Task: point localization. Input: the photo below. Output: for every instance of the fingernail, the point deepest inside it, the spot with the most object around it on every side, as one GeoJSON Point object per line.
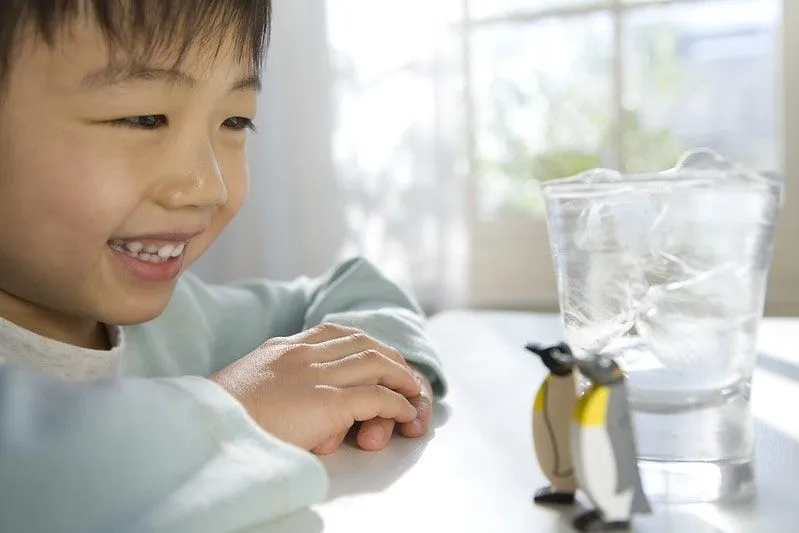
{"type": "Point", "coordinates": [416, 426]}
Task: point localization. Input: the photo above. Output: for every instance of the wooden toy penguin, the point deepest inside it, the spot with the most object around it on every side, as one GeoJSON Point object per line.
{"type": "Point", "coordinates": [605, 455]}
{"type": "Point", "coordinates": [554, 403]}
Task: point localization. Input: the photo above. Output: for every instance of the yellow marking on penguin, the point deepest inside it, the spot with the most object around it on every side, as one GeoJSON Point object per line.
{"type": "Point", "coordinates": [540, 398]}
{"type": "Point", "coordinates": [591, 408]}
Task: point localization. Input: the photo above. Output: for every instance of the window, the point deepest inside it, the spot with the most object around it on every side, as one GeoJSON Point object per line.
{"type": "Point", "coordinates": [554, 87]}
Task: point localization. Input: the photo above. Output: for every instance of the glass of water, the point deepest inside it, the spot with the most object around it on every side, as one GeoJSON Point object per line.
{"type": "Point", "coordinates": [667, 273]}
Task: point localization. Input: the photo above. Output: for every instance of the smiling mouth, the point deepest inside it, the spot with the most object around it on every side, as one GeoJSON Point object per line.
{"type": "Point", "coordinates": [150, 252]}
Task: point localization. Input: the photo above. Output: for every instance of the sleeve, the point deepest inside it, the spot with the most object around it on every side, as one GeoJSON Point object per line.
{"type": "Point", "coordinates": [141, 455]}
{"type": "Point", "coordinates": [235, 319]}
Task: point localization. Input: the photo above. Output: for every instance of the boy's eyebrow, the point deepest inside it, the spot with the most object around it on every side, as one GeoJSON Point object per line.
{"type": "Point", "coordinates": [115, 73]}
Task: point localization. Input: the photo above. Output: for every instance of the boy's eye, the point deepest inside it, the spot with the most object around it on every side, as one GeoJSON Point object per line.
{"type": "Point", "coordinates": [151, 122]}
{"type": "Point", "coordinates": [148, 122]}
{"type": "Point", "coordinates": [239, 124]}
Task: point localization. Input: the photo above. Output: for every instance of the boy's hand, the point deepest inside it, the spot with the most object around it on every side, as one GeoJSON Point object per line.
{"type": "Point", "coordinates": [313, 386]}
{"type": "Point", "coordinates": [374, 434]}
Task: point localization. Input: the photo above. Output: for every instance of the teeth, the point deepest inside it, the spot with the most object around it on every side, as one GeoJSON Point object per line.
{"type": "Point", "coordinates": [150, 258]}
{"type": "Point", "coordinates": [178, 251]}
{"type": "Point", "coordinates": [150, 253]}
{"type": "Point", "coordinates": [165, 252]}
{"type": "Point", "coordinates": [134, 246]}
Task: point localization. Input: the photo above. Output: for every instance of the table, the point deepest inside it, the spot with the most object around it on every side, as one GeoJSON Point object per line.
{"type": "Point", "coordinates": [476, 471]}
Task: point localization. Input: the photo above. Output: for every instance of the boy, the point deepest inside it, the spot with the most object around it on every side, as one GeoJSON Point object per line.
{"type": "Point", "coordinates": [133, 397]}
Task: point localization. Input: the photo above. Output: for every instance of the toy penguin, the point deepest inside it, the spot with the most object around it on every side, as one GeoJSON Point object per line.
{"type": "Point", "coordinates": [552, 410]}
{"type": "Point", "coordinates": [604, 453]}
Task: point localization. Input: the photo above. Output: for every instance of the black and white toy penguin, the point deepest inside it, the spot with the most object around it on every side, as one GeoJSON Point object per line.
{"type": "Point", "coordinates": [552, 409]}
{"type": "Point", "coordinates": [604, 450]}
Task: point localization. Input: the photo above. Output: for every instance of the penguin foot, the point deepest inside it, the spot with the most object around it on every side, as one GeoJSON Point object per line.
{"type": "Point", "coordinates": [591, 521]}
{"type": "Point", "coordinates": [548, 496]}
{"type": "Point", "coordinates": [587, 521]}
{"type": "Point", "coordinates": [617, 525]}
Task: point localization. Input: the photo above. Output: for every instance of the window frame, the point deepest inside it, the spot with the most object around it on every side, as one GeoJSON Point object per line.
{"type": "Point", "coordinates": [783, 295]}
{"type": "Point", "coordinates": [510, 262]}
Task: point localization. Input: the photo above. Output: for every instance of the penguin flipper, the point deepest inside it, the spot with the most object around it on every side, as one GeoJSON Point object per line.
{"type": "Point", "coordinates": [620, 432]}
{"type": "Point", "coordinates": [622, 437]}
{"type": "Point", "coordinates": [640, 501]}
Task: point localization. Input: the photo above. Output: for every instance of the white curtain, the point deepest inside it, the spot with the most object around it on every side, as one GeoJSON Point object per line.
{"type": "Point", "coordinates": [359, 149]}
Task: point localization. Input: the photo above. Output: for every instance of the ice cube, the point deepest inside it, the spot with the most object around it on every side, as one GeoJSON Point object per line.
{"type": "Point", "coordinates": [705, 163]}
{"type": "Point", "coordinates": [690, 323]}
{"type": "Point", "coordinates": [601, 297]}
{"type": "Point", "coordinates": [596, 175]}
{"type": "Point", "coordinates": [701, 159]}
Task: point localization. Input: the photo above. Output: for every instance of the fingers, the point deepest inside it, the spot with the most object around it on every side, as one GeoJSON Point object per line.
{"type": "Point", "coordinates": [323, 333]}
{"type": "Point", "coordinates": [371, 367]}
{"type": "Point", "coordinates": [371, 401]}
{"type": "Point", "coordinates": [375, 434]}
{"type": "Point", "coordinates": [334, 341]}
{"type": "Point", "coordinates": [354, 343]}
{"type": "Point", "coordinates": [331, 445]}
{"type": "Point", "coordinates": [359, 359]}
{"type": "Point", "coordinates": [360, 341]}
{"type": "Point", "coordinates": [423, 403]}
{"type": "Point", "coordinates": [420, 425]}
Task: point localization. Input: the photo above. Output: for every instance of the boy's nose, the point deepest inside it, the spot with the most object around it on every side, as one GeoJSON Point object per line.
{"type": "Point", "coordinates": [194, 182]}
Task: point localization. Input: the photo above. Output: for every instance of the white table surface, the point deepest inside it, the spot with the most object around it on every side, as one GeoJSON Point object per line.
{"type": "Point", "coordinates": [476, 471]}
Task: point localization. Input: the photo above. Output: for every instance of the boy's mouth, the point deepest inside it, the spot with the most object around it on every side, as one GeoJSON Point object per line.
{"type": "Point", "coordinates": [150, 251]}
{"type": "Point", "coordinates": [152, 258]}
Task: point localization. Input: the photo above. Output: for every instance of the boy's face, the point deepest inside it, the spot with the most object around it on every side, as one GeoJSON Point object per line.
{"type": "Point", "coordinates": [97, 170]}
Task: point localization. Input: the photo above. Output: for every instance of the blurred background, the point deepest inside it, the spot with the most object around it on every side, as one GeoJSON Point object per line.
{"type": "Point", "coordinates": [415, 133]}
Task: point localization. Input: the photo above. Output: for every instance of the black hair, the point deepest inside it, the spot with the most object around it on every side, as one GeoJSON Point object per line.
{"type": "Point", "coordinates": [142, 28]}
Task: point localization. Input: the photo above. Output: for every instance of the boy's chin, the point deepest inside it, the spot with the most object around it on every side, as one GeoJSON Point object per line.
{"type": "Point", "coordinates": [137, 310]}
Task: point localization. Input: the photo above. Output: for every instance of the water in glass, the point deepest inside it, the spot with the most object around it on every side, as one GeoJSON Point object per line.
{"type": "Point", "coordinates": [667, 272]}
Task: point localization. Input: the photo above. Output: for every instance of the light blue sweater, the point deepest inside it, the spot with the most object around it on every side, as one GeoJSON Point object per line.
{"type": "Point", "coordinates": [163, 449]}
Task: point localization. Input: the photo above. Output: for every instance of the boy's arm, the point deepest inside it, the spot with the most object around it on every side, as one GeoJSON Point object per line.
{"type": "Point", "coordinates": [214, 325]}
{"type": "Point", "coordinates": [135, 455]}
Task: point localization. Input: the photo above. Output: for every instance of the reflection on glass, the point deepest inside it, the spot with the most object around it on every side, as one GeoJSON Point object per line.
{"type": "Point", "coordinates": [702, 74]}
{"type": "Point", "coordinates": [543, 105]}
{"type": "Point", "coordinates": [493, 8]}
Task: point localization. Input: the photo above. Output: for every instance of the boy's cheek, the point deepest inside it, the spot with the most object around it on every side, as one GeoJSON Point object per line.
{"type": "Point", "coordinates": [222, 217]}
